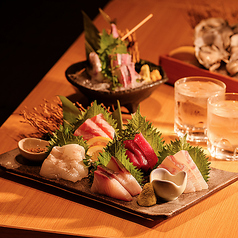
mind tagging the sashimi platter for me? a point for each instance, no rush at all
(89, 151)
(128, 166)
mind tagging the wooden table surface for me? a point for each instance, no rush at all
(27, 208)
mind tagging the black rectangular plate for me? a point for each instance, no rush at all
(12, 162)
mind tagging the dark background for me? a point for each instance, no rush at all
(33, 36)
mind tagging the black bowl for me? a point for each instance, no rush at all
(128, 98)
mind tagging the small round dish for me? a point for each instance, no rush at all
(166, 185)
(129, 98)
(33, 149)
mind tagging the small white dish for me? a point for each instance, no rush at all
(166, 185)
(33, 148)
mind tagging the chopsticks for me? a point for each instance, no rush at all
(137, 26)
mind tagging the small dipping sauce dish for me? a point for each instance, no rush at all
(166, 185)
(33, 149)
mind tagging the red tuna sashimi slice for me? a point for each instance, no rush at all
(100, 121)
(146, 149)
(133, 159)
(133, 149)
(126, 180)
(109, 186)
(89, 127)
(125, 176)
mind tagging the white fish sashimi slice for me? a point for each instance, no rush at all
(124, 176)
(65, 162)
(125, 179)
(191, 177)
(184, 157)
(173, 167)
(191, 187)
(109, 186)
(182, 161)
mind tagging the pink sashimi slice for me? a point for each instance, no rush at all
(125, 70)
(184, 157)
(125, 179)
(114, 30)
(86, 135)
(182, 161)
(125, 59)
(122, 59)
(173, 167)
(133, 74)
(89, 127)
(134, 150)
(131, 183)
(146, 149)
(105, 184)
(123, 76)
(100, 121)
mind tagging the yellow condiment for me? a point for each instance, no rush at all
(147, 196)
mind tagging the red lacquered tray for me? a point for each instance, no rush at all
(176, 69)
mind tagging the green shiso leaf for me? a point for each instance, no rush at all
(118, 117)
(109, 47)
(116, 149)
(196, 153)
(70, 112)
(92, 37)
(64, 136)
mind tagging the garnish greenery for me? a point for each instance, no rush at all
(196, 153)
(70, 112)
(92, 37)
(116, 149)
(109, 48)
(64, 136)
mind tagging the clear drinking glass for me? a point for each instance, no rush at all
(191, 94)
(222, 126)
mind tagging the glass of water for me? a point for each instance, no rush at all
(222, 126)
(191, 94)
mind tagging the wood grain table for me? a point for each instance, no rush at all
(28, 209)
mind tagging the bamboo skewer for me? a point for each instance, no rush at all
(137, 26)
